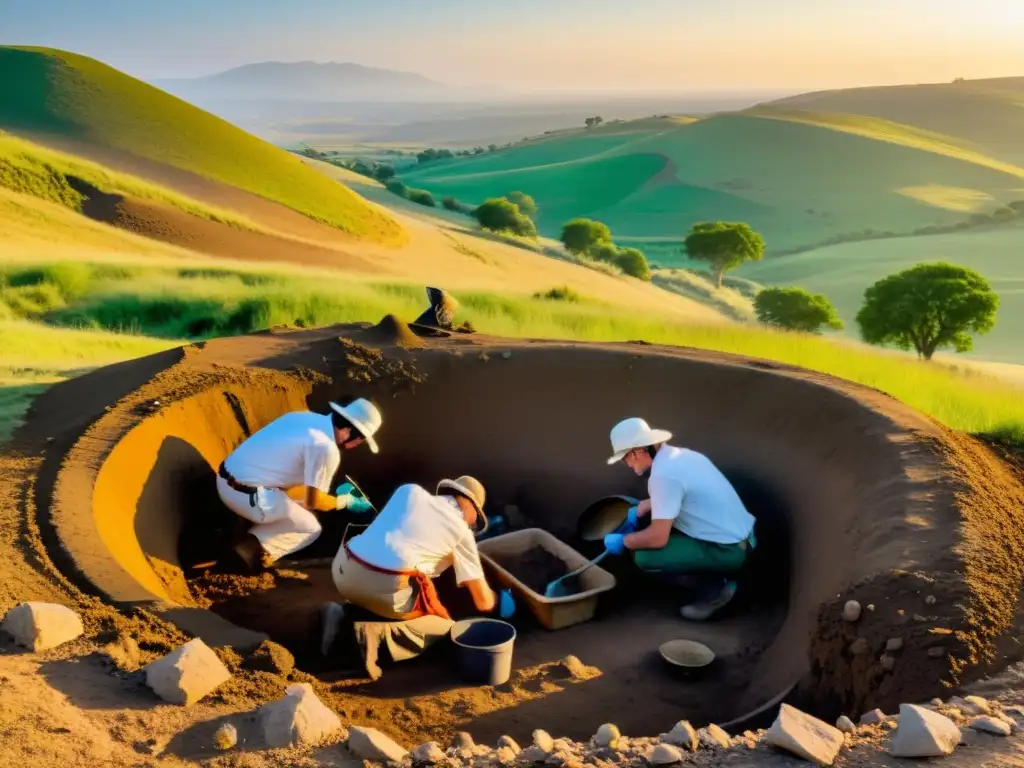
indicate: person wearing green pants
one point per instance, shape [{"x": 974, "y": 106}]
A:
[{"x": 698, "y": 524}]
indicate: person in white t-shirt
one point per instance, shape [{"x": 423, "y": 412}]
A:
[
  {"x": 389, "y": 568},
  {"x": 280, "y": 476},
  {"x": 698, "y": 524}
]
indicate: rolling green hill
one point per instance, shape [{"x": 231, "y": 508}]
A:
[
  {"x": 46, "y": 92},
  {"x": 800, "y": 177},
  {"x": 989, "y": 114}
]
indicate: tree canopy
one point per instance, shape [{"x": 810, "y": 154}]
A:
[
  {"x": 927, "y": 307},
  {"x": 633, "y": 262},
  {"x": 580, "y": 235},
  {"x": 796, "y": 309},
  {"x": 724, "y": 245},
  {"x": 499, "y": 215},
  {"x": 527, "y": 205}
]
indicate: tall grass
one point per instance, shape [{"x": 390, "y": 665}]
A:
[{"x": 173, "y": 304}]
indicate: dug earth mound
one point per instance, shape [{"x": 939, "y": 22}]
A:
[{"x": 858, "y": 498}]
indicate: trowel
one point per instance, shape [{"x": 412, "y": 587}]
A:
[{"x": 562, "y": 587}]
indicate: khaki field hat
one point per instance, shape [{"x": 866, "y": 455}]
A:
[
  {"x": 472, "y": 489},
  {"x": 634, "y": 433},
  {"x": 364, "y": 416}
]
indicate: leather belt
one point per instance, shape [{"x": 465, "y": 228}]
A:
[{"x": 248, "y": 490}]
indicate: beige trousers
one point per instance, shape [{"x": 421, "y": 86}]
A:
[{"x": 281, "y": 525}]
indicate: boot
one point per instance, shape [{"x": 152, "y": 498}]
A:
[{"x": 702, "y": 610}]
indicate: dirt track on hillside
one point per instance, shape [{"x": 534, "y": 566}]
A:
[{"x": 866, "y": 498}]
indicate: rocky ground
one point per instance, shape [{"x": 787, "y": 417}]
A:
[{"x": 66, "y": 701}]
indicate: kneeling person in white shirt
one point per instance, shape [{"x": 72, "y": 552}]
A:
[
  {"x": 389, "y": 568},
  {"x": 281, "y": 475},
  {"x": 698, "y": 523}
]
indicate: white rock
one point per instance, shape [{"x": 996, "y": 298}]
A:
[
  {"x": 845, "y": 724},
  {"x": 543, "y": 741},
  {"x": 851, "y": 611},
  {"x": 186, "y": 674},
  {"x": 930, "y": 600},
  {"x": 923, "y": 733},
  {"x": 226, "y": 737},
  {"x": 979, "y": 705},
  {"x": 681, "y": 735},
  {"x": 989, "y": 724},
  {"x": 713, "y": 736},
  {"x": 665, "y": 754},
  {"x": 430, "y": 752},
  {"x": 508, "y": 741},
  {"x": 41, "y": 626},
  {"x": 463, "y": 740},
  {"x": 532, "y": 754},
  {"x": 893, "y": 644},
  {"x": 505, "y": 755},
  {"x": 805, "y": 736},
  {"x": 874, "y": 717},
  {"x": 607, "y": 735},
  {"x": 371, "y": 744},
  {"x": 298, "y": 717}
]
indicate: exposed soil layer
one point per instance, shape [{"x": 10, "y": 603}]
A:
[
  {"x": 856, "y": 497},
  {"x": 536, "y": 567}
]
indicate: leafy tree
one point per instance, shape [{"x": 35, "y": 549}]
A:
[
  {"x": 492, "y": 147},
  {"x": 606, "y": 251},
  {"x": 724, "y": 245},
  {"x": 422, "y": 197},
  {"x": 580, "y": 235},
  {"x": 395, "y": 186},
  {"x": 526, "y": 204},
  {"x": 796, "y": 309},
  {"x": 592, "y": 122},
  {"x": 499, "y": 215},
  {"x": 384, "y": 172},
  {"x": 928, "y": 306},
  {"x": 478, "y": 150},
  {"x": 633, "y": 262}
]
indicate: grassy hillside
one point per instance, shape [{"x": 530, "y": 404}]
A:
[
  {"x": 987, "y": 113},
  {"x": 801, "y": 178},
  {"x": 51, "y": 92},
  {"x": 843, "y": 272}
]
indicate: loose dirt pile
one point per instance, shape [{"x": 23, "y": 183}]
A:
[
  {"x": 536, "y": 567},
  {"x": 856, "y": 496}
]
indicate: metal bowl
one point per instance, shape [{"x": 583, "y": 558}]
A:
[
  {"x": 603, "y": 517},
  {"x": 688, "y": 654}
]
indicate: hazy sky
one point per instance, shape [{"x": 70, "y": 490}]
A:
[{"x": 548, "y": 44}]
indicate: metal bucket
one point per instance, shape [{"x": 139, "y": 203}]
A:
[
  {"x": 603, "y": 517},
  {"x": 484, "y": 650}
]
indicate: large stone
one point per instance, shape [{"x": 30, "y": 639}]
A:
[
  {"x": 508, "y": 741},
  {"x": 874, "y": 717},
  {"x": 463, "y": 740},
  {"x": 41, "y": 626},
  {"x": 607, "y": 735},
  {"x": 371, "y": 744},
  {"x": 805, "y": 736},
  {"x": 713, "y": 736},
  {"x": 978, "y": 705},
  {"x": 851, "y": 611},
  {"x": 430, "y": 753},
  {"x": 186, "y": 674},
  {"x": 542, "y": 739},
  {"x": 505, "y": 755},
  {"x": 298, "y": 717},
  {"x": 532, "y": 754},
  {"x": 681, "y": 735},
  {"x": 989, "y": 724},
  {"x": 923, "y": 733},
  {"x": 665, "y": 754}
]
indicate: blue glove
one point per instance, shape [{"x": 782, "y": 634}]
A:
[
  {"x": 359, "y": 504},
  {"x": 346, "y": 488},
  {"x": 631, "y": 523},
  {"x": 615, "y": 543},
  {"x": 506, "y": 604}
]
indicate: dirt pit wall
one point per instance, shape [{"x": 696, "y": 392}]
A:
[{"x": 856, "y": 494}]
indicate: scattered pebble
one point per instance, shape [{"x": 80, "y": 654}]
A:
[
  {"x": 977, "y": 705},
  {"x": 936, "y": 702},
  {"x": 930, "y": 600},
  {"x": 936, "y": 653},
  {"x": 713, "y": 736},
  {"x": 42, "y": 626},
  {"x": 874, "y": 717},
  {"x": 989, "y": 724},
  {"x": 888, "y": 662},
  {"x": 923, "y": 733},
  {"x": 871, "y": 606},
  {"x": 509, "y": 743},
  {"x": 226, "y": 737},
  {"x": 299, "y": 717},
  {"x": 893, "y": 644},
  {"x": 805, "y": 736},
  {"x": 851, "y": 611},
  {"x": 371, "y": 744},
  {"x": 533, "y": 754},
  {"x": 665, "y": 754},
  {"x": 681, "y": 735},
  {"x": 463, "y": 740},
  {"x": 607, "y": 735},
  {"x": 543, "y": 741},
  {"x": 187, "y": 674},
  {"x": 845, "y": 724},
  {"x": 860, "y": 646},
  {"x": 429, "y": 753},
  {"x": 506, "y": 355}
]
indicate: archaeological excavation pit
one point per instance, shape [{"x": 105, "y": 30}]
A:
[{"x": 856, "y": 497}]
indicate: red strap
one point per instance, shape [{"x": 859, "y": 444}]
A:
[{"x": 427, "y": 601}]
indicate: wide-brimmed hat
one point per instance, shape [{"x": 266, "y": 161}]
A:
[
  {"x": 364, "y": 416},
  {"x": 472, "y": 489},
  {"x": 633, "y": 433}
]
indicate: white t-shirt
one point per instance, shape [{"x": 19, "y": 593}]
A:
[
  {"x": 295, "y": 449},
  {"x": 418, "y": 531},
  {"x": 687, "y": 488}
]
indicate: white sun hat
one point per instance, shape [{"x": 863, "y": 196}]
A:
[
  {"x": 364, "y": 416},
  {"x": 634, "y": 433},
  {"x": 472, "y": 489}
]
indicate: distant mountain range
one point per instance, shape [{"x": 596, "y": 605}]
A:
[{"x": 306, "y": 81}]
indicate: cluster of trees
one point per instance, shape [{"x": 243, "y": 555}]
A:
[
  {"x": 593, "y": 240},
  {"x": 515, "y": 213},
  {"x": 419, "y": 196},
  {"x": 593, "y": 122},
  {"x": 923, "y": 308},
  {"x": 429, "y": 155}
]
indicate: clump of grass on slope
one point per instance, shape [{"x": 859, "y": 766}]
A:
[
  {"x": 61, "y": 93},
  {"x": 34, "y": 170}
]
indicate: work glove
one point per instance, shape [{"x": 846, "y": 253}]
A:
[
  {"x": 631, "y": 523},
  {"x": 615, "y": 543},
  {"x": 506, "y": 604},
  {"x": 349, "y": 497}
]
